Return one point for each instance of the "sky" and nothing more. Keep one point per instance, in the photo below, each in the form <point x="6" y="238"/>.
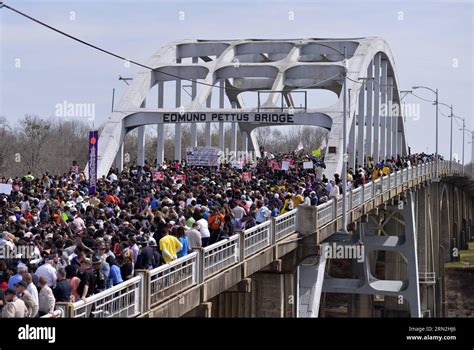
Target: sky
<point x="432" y="42"/>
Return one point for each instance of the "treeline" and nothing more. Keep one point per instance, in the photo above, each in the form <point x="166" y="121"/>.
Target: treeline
<point x="39" y="145"/>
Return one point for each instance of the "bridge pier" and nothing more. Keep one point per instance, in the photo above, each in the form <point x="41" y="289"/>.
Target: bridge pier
<point x="263" y="294"/>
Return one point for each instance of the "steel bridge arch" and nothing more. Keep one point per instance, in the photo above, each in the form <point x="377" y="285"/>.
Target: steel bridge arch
<point x="272" y="65"/>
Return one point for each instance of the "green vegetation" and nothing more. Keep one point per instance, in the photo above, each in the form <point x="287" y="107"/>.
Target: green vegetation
<point x="467" y="258"/>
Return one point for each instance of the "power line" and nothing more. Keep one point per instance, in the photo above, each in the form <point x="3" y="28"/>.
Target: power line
<point x="421" y="98"/>
<point x="101" y="49"/>
<point x="128" y="60"/>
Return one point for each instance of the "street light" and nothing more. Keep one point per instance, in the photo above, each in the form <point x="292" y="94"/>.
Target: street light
<point x="450" y="137"/>
<point x="436" y="103"/>
<point x="463" y="130"/>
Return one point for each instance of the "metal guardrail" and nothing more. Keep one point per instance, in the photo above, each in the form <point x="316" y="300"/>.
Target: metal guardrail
<point x="221" y="255"/>
<point x="257" y="238"/>
<point x="368" y="191"/>
<point x="385" y="183"/>
<point x="135" y="296"/>
<point x="285" y="224"/>
<point x="325" y="213"/>
<point x="357" y="197"/>
<point x="55" y="314"/>
<point x="123" y="300"/>
<point x="392" y="180"/>
<point x="339" y="206"/>
<point x="172" y="278"/>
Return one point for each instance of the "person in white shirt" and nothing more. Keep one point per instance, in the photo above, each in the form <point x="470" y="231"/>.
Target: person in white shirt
<point x="194" y="236"/>
<point x="47" y="271"/>
<point x="189" y="199"/>
<point x="31" y="288"/>
<point x="307" y="200"/>
<point x="5" y="240"/>
<point x="204" y="230"/>
<point x="113" y="177"/>
<point x="237" y="211"/>
<point x="263" y="213"/>
<point x="334" y="192"/>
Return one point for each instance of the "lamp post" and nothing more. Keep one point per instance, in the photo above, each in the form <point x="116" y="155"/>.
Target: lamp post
<point x="450" y="135"/>
<point x="463" y="131"/>
<point x="436" y="103"/>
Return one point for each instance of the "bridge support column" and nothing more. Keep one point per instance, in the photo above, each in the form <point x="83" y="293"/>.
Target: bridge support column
<point x="352" y="141"/>
<point x="310" y="283"/>
<point x="245" y="142"/>
<point x="378" y="144"/>
<point x="141" y="146"/>
<point x="193" y="96"/>
<point x="119" y="158"/>
<point x="361" y="127"/>
<point x="275" y="294"/>
<point x="160" y="130"/>
<point x="400" y="283"/>
<point x="425" y="254"/>
<point x="160" y="144"/>
<point x="369" y="124"/>
<point x="383" y="119"/>
<point x="221" y="124"/>
<point x="394" y="118"/>
<point x="177" y="127"/>
<point x="264" y="294"/>
<point x="233" y="137"/>
<point x="207" y="126"/>
<point x="141" y="141"/>
<point x="388" y="121"/>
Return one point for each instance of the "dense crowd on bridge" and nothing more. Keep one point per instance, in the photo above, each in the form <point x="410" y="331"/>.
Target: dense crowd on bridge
<point x="59" y="244"/>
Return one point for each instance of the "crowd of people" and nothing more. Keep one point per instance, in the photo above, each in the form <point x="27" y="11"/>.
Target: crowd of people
<point x="60" y="244"/>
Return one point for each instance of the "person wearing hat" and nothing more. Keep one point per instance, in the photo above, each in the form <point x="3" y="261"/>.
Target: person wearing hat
<point x="30" y="303"/>
<point x="14" y="307"/>
<point x="101" y="271"/>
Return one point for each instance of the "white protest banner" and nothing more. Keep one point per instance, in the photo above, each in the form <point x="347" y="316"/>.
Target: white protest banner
<point x="308" y="165"/>
<point x="237" y="164"/>
<point x="202" y="156"/>
<point x="285" y="165"/>
<point x="6" y="189"/>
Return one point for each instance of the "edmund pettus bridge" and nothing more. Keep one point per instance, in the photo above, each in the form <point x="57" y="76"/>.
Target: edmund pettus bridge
<point x="408" y="223"/>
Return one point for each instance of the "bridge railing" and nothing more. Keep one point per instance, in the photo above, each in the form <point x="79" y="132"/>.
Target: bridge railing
<point x="257" y="238"/>
<point x="325" y="213"/>
<point x="172" y="278"/>
<point x="285" y="224"/>
<point x="150" y="287"/>
<point x="357" y="197"/>
<point x="123" y="300"/>
<point x="220" y="255"/>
